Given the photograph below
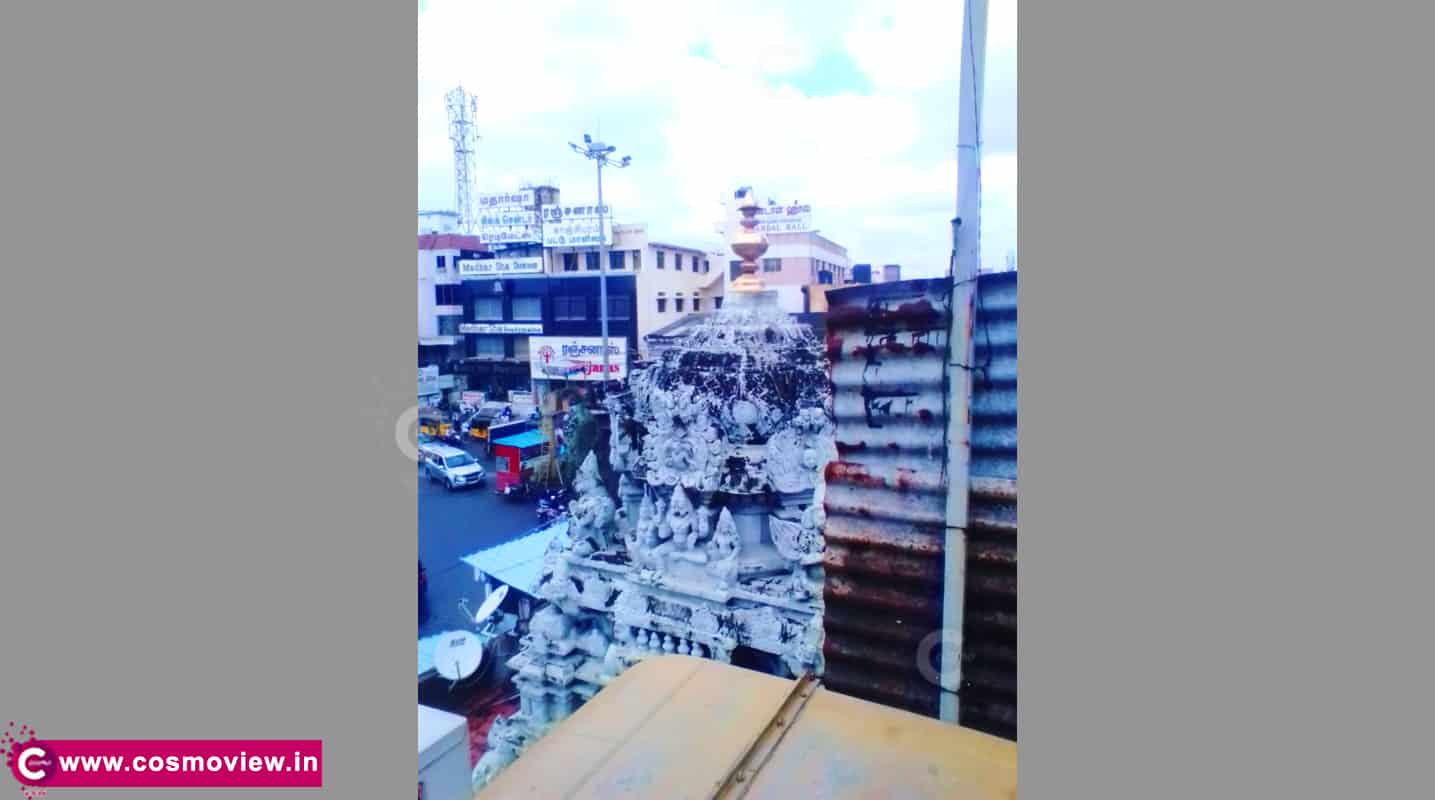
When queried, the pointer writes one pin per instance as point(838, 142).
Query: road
point(454, 524)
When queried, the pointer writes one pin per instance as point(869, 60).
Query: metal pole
point(603, 275)
point(966, 263)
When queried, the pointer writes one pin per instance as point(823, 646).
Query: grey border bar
point(209, 328)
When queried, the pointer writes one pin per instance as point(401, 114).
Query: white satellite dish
point(457, 655)
point(490, 604)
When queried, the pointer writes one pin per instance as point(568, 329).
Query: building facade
point(438, 222)
point(440, 310)
point(480, 305)
point(504, 317)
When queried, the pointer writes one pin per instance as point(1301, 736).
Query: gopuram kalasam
point(712, 546)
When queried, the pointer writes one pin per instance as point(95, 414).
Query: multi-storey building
point(440, 308)
point(487, 312)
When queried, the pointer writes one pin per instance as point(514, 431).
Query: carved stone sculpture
point(724, 550)
point(718, 444)
point(592, 513)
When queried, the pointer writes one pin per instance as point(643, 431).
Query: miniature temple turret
point(713, 546)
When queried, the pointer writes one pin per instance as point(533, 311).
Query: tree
point(580, 435)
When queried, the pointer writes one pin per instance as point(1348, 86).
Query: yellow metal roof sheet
point(674, 726)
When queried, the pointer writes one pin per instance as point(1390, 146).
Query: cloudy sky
point(849, 105)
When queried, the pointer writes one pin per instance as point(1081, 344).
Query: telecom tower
point(461, 108)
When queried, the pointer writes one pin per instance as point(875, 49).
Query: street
point(454, 524)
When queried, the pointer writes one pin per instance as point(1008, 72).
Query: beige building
point(792, 262)
point(672, 280)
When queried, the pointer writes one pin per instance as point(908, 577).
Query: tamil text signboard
point(509, 217)
point(523, 198)
point(577, 226)
point(577, 358)
point(490, 267)
point(785, 219)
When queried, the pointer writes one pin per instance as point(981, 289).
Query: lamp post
point(602, 155)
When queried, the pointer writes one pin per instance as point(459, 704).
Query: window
point(697, 304)
point(660, 259)
point(618, 306)
point(592, 261)
point(442, 262)
point(772, 265)
point(570, 307)
point(678, 264)
point(824, 277)
point(487, 308)
point(528, 308)
point(488, 346)
point(615, 259)
point(448, 326)
point(734, 269)
point(570, 262)
point(717, 302)
point(678, 304)
point(637, 259)
point(662, 303)
point(706, 265)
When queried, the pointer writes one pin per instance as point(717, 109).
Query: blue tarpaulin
point(521, 440)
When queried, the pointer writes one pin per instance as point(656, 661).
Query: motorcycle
point(552, 505)
point(517, 490)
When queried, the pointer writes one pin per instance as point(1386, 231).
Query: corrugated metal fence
point(886, 497)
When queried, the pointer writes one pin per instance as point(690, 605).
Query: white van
point(452, 466)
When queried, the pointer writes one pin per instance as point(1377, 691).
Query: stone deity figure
point(630, 495)
point(724, 549)
point(501, 752)
point(622, 456)
point(644, 538)
point(592, 514)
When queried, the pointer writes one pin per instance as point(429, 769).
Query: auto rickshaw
point(515, 460)
point(434, 423)
point(478, 425)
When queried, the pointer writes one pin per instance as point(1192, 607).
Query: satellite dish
point(491, 604)
point(457, 655)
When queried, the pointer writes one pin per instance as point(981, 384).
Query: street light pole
point(603, 276)
point(600, 153)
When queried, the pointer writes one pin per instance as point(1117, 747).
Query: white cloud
point(878, 167)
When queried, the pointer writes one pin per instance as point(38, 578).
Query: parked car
point(451, 466)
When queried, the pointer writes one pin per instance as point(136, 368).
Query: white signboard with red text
point(577, 358)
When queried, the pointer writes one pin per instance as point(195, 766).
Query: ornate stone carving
point(592, 513)
point(630, 497)
point(502, 750)
point(718, 445)
point(724, 549)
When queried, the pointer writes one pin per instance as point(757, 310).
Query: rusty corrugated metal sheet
point(886, 492)
point(885, 497)
point(989, 661)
